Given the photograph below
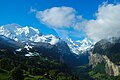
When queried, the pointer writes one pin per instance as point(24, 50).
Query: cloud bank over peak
point(106, 24)
point(61, 19)
point(57, 17)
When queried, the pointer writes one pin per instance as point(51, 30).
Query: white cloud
point(57, 17)
point(80, 25)
point(61, 18)
point(106, 24)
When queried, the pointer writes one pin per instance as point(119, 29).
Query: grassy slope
point(4, 75)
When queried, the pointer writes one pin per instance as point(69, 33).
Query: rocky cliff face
point(108, 52)
point(110, 68)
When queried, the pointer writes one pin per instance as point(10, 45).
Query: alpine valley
point(30, 55)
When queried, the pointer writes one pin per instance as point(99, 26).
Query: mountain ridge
point(30, 34)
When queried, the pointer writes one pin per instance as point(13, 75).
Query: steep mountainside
point(32, 67)
point(107, 52)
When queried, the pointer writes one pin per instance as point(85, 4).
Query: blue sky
point(18, 11)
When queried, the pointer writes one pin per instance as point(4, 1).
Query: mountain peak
point(23, 34)
point(80, 46)
point(17, 32)
point(30, 34)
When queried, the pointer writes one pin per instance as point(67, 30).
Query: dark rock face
point(110, 48)
point(107, 51)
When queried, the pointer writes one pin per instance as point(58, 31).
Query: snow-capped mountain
point(80, 46)
point(28, 41)
point(24, 34)
point(29, 34)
